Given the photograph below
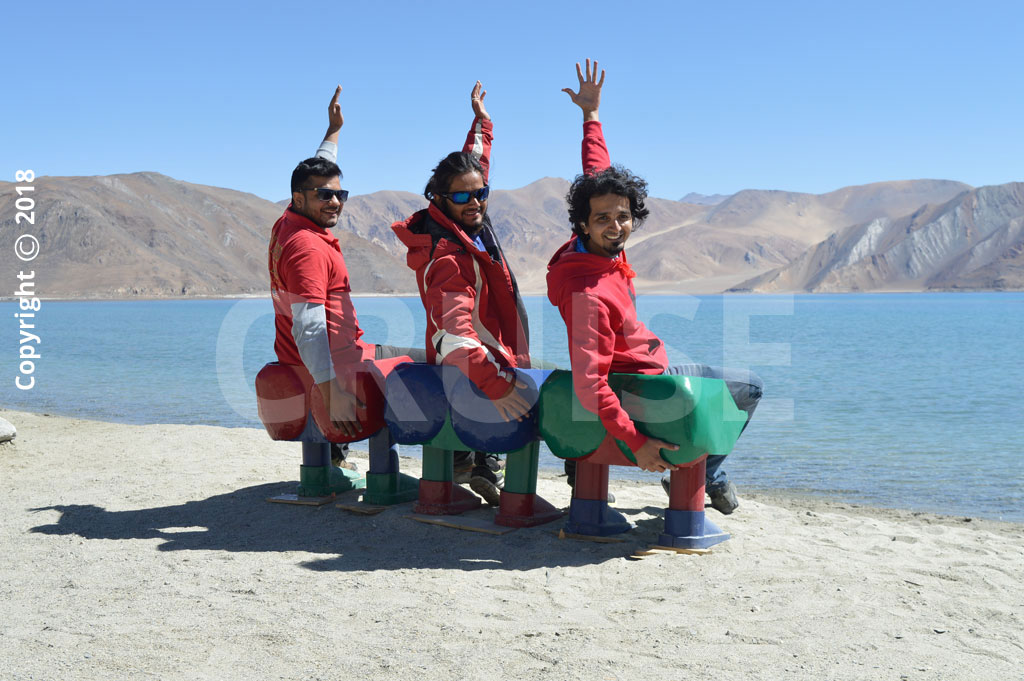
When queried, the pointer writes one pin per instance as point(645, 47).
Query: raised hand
point(589, 97)
point(335, 119)
point(477, 100)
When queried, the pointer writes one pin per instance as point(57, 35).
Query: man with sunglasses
point(475, 316)
point(316, 325)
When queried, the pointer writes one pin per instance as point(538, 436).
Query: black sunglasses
point(460, 198)
point(325, 194)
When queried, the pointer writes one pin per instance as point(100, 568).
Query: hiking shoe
point(339, 456)
point(487, 484)
point(462, 467)
point(490, 460)
point(723, 498)
point(464, 463)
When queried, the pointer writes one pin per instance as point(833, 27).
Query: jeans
point(745, 387)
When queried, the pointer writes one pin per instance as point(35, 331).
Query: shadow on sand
point(243, 521)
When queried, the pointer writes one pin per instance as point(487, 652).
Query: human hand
point(513, 405)
point(589, 97)
point(342, 407)
point(335, 119)
point(648, 456)
point(477, 100)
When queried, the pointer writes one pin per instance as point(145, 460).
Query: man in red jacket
point(590, 281)
point(315, 320)
point(475, 317)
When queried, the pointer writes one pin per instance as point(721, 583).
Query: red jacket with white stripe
point(596, 298)
point(475, 318)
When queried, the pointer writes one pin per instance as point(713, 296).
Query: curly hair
point(451, 166)
point(614, 180)
point(313, 167)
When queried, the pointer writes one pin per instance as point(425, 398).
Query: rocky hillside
point(145, 234)
point(974, 241)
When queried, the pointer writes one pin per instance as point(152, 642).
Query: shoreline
point(414, 294)
point(777, 496)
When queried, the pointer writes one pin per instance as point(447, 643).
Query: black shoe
point(723, 498)
point(490, 460)
point(487, 484)
point(339, 456)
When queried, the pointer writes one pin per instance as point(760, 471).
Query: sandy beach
point(148, 552)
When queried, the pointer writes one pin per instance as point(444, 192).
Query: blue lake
point(902, 400)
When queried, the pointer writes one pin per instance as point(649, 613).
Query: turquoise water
point(902, 400)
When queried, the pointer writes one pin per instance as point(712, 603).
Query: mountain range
point(148, 235)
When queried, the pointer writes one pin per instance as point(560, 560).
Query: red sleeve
point(478, 143)
point(595, 151)
point(591, 345)
point(304, 271)
point(451, 298)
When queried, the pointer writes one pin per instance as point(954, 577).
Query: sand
point(148, 552)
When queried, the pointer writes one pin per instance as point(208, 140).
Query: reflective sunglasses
point(325, 194)
point(459, 198)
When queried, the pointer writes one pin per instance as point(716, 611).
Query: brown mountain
point(974, 241)
point(145, 234)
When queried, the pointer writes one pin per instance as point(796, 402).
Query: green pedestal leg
point(387, 489)
point(520, 506)
point(322, 481)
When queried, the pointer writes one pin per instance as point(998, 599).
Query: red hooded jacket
point(475, 317)
point(596, 298)
point(306, 266)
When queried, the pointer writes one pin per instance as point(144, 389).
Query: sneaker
point(723, 499)
point(464, 463)
point(339, 456)
point(490, 460)
point(487, 484)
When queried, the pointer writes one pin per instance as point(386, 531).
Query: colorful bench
point(698, 414)
point(439, 408)
point(291, 408)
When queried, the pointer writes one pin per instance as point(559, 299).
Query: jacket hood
point(567, 264)
point(419, 234)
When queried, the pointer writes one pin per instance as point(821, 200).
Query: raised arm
point(588, 99)
point(329, 147)
point(478, 141)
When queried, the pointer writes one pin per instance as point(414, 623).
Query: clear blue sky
point(706, 97)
